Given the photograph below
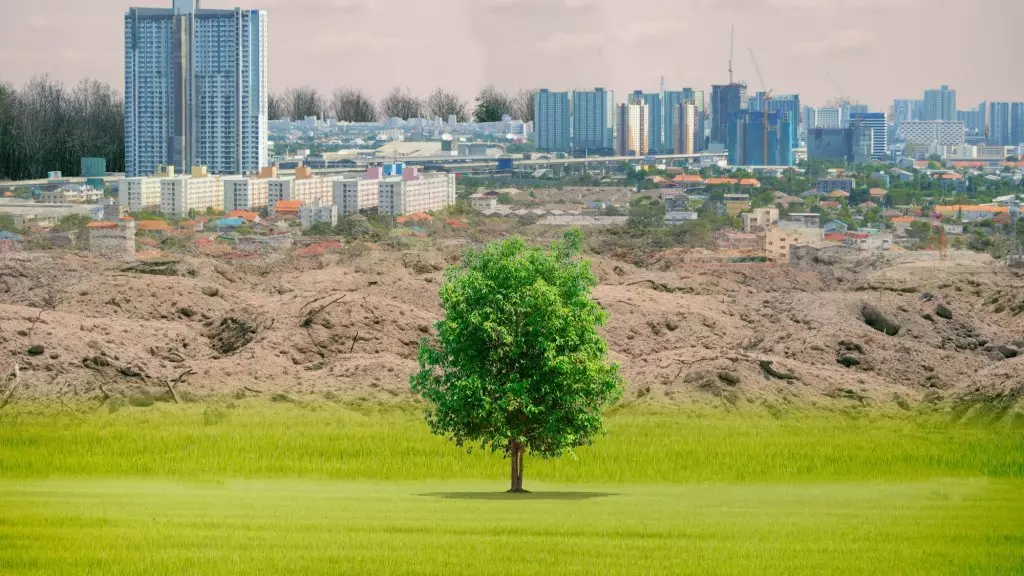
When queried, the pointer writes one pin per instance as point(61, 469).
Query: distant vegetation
point(46, 126)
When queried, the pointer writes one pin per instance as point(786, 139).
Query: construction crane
point(764, 106)
point(732, 42)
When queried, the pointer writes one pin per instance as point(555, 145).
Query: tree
point(401, 104)
point(491, 105)
point(517, 364)
point(441, 104)
point(303, 102)
point(351, 105)
point(7, 223)
point(275, 106)
point(645, 214)
point(523, 105)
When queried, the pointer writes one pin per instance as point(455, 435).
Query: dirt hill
point(903, 331)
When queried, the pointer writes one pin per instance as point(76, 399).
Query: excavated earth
point(901, 331)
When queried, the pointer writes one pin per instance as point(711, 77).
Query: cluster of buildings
point(389, 189)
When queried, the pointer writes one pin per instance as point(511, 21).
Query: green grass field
point(284, 489)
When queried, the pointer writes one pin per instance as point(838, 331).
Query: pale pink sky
point(875, 49)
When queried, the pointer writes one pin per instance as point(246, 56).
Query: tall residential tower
point(195, 89)
point(552, 122)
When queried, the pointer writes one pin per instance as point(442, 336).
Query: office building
point(974, 119)
point(195, 89)
point(654, 118)
point(788, 104)
point(906, 110)
point(687, 131)
point(933, 133)
point(879, 135)
point(999, 124)
point(726, 101)
point(939, 104)
point(552, 121)
point(245, 193)
point(593, 121)
point(182, 196)
point(415, 192)
point(747, 139)
point(633, 129)
point(353, 195)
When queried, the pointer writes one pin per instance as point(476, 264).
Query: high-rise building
point(654, 120)
point(906, 110)
point(633, 129)
point(726, 101)
point(671, 101)
point(687, 131)
point(933, 133)
point(593, 121)
point(973, 119)
point(939, 104)
point(747, 138)
point(879, 137)
point(999, 124)
point(1016, 123)
point(788, 104)
point(552, 121)
point(195, 89)
point(822, 118)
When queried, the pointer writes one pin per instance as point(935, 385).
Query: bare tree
point(491, 105)
point(401, 104)
point(275, 106)
point(351, 105)
point(523, 105)
point(441, 104)
point(303, 102)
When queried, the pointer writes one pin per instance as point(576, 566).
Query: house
point(760, 219)
point(827, 185)
point(751, 182)
point(890, 213)
point(878, 194)
point(954, 229)
point(721, 181)
point(251, 217)
point(838, 195)
point(972, 213)
point(830, 204)
point(483, 201)
point(155, 226)
point(736, 203)
point(835, 226)
point(901, 175)
point(808, 219)
point(287, 208)
point(230, 223)
point(901, 225)
point(778, 241)
point(867, 205)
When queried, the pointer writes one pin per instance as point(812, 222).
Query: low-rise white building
point(353, 195)
point(311, 214)
point(180, 195)
point(72, 195)
point(139, 194)
point(415, 192)
point(243, 193)
point(484, 201)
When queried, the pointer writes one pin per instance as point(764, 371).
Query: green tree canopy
point(517, 364)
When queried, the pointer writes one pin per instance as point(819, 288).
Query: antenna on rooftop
point(732, 40)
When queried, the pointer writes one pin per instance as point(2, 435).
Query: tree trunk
point(516, 452)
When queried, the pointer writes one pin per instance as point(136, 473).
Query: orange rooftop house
point(901, 225)
point(839, 195)
point(751, 182)
point(968, 213)
point(287, 208)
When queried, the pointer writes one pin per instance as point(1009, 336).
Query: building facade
point(654, 118)
point(749, 135)
point(552, 121)
point(687, 131)
point(313, 214)
point(633, 130)
point(138, 194)
point(244, 193)
point(353, 195)
point(906, 110)
point(727, 100)
point(195, 89)
point(181, 196)
point(939, 105)
point(593, 121)
point(879, 136)
point(933, 133)
point(1016, 123)
point(974, 119)
point(999, 130)
point(415, 192)
point(304, 188)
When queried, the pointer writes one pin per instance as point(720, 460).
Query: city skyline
point(567, 44)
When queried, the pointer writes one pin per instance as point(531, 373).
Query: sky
point(868, 50)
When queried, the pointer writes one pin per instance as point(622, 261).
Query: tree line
point(46, 126)
point(354, 105)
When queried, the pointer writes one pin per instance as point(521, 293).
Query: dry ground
point(349, 323)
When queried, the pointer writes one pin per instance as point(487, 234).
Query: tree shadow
point(566, 496)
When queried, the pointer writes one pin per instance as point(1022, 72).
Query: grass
point(282, 488)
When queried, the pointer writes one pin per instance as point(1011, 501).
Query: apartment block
point(183, 195)
point(593, 121)
point(304, 187)
point(195, 89)
point(415, 192)
point(634, 129)
point(243, 193)
point(553, 121)
point(313, 214)
point(934, 133)
point(139, 194)
point(353, 195)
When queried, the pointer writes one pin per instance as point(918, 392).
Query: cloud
point(631, 33)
